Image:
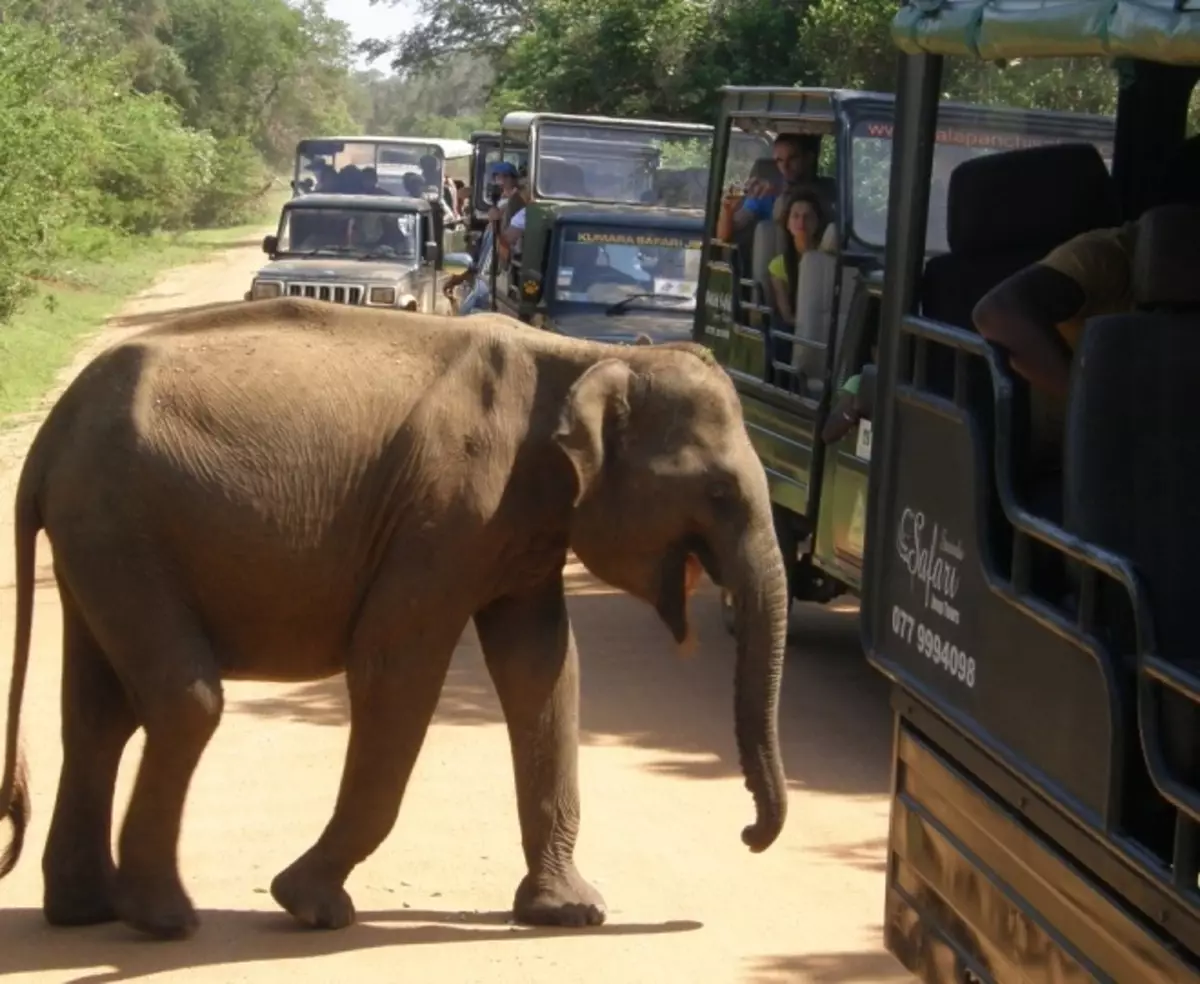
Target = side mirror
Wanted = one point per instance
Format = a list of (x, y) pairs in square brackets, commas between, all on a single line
[(866, 390), (270, 245), (430, 252)]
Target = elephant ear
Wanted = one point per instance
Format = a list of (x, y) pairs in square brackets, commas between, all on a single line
[(595, 413)]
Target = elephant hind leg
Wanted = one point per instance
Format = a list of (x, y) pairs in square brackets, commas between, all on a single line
[(97, 724), (393, 696), (171, 678), (530, 653)]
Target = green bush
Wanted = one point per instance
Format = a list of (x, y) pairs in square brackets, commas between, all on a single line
[(236, 182), (151, 170)]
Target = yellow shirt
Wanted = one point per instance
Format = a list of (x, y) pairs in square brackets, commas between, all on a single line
[(1100, 262)]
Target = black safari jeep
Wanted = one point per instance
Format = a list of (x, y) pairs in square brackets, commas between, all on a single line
[(612, 227), (789, 374), (1046, 779)]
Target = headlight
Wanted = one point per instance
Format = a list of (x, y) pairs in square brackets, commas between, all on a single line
[(383, 295), (263, 289)]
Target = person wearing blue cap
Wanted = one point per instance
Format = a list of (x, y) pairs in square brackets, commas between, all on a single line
[(504, 173)]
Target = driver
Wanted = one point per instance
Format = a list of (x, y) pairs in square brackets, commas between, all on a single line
[(371, 231)]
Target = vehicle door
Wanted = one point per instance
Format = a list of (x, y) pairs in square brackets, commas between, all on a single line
[(838, 547)]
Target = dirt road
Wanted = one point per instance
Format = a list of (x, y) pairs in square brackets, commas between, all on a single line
[(663, 806)]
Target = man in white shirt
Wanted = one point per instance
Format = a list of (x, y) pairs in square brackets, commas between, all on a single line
[(510, 238)]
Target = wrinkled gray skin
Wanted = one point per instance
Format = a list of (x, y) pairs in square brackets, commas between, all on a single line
[(282, 490)]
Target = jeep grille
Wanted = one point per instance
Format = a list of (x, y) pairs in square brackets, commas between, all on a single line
[(337, 293)]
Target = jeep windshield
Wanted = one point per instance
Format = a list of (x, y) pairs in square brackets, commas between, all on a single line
[(871, 165), (645, 268), (351, 233), (343, 167), (623, 165)]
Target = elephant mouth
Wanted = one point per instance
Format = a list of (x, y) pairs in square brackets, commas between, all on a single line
[(679, 576)]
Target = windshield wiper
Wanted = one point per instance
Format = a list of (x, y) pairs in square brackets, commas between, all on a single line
[(321, 249), (383, 253), (624, 302)]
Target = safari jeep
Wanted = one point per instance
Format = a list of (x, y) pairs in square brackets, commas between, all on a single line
[(613, 226), (370, 250), (408, 167), (1041, 635), (788, 375)]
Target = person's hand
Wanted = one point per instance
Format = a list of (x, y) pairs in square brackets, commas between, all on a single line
[(732, 200), (494, 214)]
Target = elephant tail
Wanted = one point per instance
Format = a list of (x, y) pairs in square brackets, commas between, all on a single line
[(14, 788)]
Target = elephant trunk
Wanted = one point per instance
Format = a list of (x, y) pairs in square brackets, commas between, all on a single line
[(758, 584)]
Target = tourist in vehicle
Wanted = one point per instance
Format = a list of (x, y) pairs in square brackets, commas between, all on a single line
[(1037, 314), (847, 409), (504, 174), (803, 220), (370, 182), (741, 210), (511, 235), (796, 155)]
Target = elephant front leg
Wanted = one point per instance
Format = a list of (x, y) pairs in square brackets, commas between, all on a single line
[(530, 653), (392, 699)]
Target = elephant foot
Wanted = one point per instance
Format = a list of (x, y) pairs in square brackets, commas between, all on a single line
[(313, 901), (558, 900), (79, 904), (159, 908)]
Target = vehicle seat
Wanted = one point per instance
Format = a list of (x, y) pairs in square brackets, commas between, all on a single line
[(768, 243), (1007, 210), (1132, 470), (815, 282)]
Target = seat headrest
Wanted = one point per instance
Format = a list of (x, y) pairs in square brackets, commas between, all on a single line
[(1035, 197), (1166, 257)]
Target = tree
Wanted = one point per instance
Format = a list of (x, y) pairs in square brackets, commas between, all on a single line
[(613, 57), (481, 28)]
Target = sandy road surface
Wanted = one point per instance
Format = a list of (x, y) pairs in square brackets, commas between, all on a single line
[(663, 806)]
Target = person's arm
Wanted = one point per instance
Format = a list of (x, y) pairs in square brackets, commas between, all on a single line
[(844, 413), (1021, 315), (729, 205), (1084, 276)]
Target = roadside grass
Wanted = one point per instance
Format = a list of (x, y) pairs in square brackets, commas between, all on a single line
[(78, 293)]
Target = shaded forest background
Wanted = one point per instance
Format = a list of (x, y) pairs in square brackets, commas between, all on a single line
[(131, 118)]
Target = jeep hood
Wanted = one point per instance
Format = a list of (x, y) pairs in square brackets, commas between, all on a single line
[(659, 326)]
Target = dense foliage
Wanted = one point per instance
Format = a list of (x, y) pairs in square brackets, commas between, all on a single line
[(129, 117), (667, 58)]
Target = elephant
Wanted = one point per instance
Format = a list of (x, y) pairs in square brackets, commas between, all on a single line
[(289, 489)]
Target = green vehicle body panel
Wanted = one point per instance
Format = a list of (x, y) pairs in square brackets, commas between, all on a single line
[(522, 294)]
